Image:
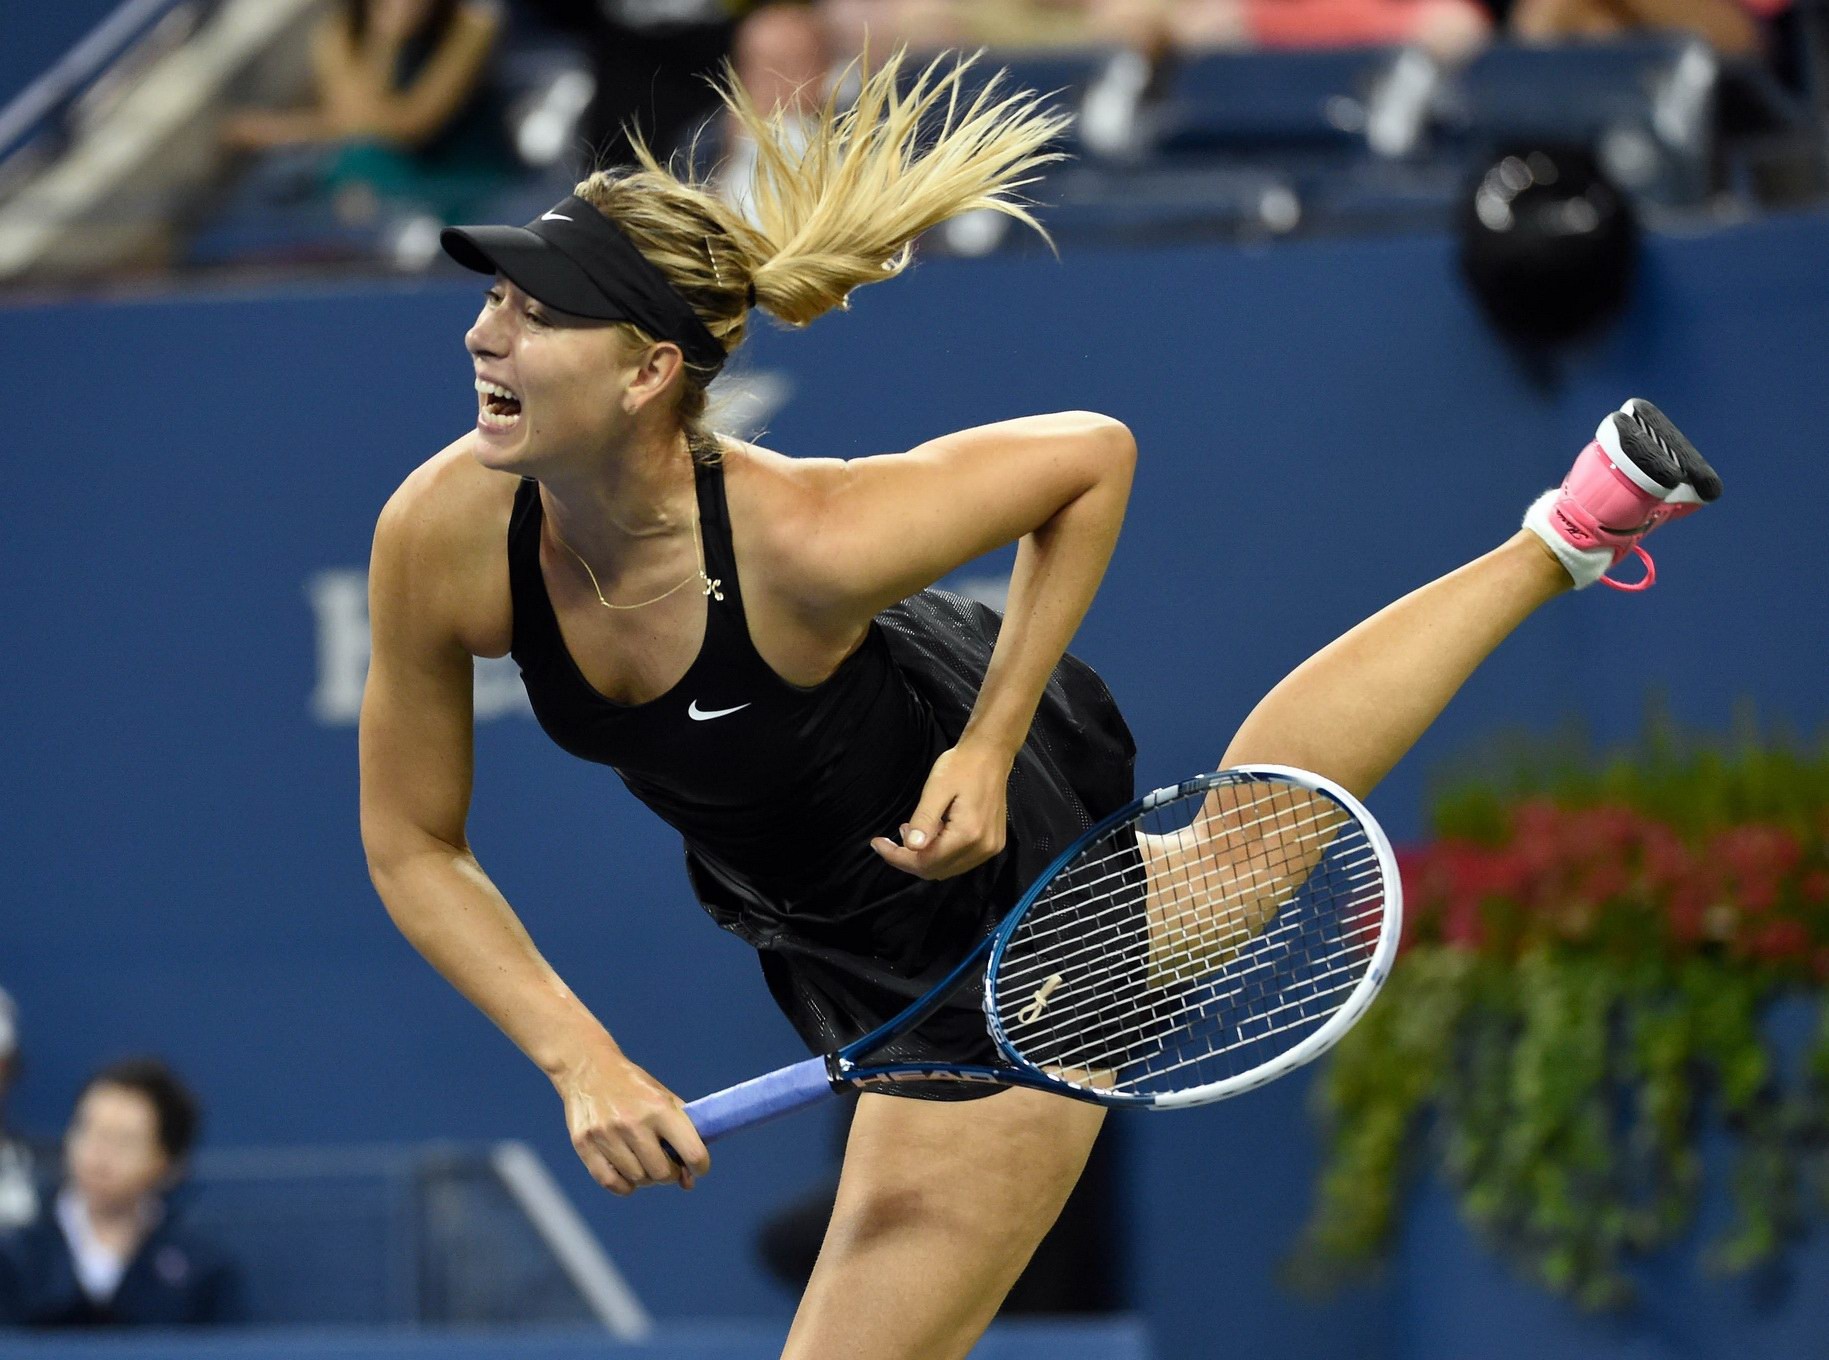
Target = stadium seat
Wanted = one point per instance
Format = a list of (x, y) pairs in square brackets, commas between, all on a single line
[(1574, 91), (1231, 101)]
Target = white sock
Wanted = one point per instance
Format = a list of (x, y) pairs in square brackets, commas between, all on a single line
[(1585, 566)]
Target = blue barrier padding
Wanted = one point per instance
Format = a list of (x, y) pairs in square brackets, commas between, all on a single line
[(1113, 1339)]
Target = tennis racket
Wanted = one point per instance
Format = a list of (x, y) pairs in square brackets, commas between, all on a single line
[(1197, 943)]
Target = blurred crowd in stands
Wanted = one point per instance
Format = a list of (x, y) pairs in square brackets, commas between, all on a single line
[(92, 1233), (403, 103), (371, 122)]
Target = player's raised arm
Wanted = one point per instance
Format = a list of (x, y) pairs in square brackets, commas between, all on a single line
[(416, 780), (886, 527)]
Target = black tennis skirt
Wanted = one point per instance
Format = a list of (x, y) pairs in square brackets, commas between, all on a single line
[(1076, 766)]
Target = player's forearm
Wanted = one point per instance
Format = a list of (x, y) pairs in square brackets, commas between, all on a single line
[(396, 119), (1057, 573), (263, 130), (446, 906)]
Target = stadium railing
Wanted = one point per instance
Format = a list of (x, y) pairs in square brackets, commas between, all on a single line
[(438, 1235)]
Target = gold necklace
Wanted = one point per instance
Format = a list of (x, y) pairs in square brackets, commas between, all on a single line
[(713, 588)]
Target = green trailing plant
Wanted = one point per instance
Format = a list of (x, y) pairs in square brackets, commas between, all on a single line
[(1590, 949)]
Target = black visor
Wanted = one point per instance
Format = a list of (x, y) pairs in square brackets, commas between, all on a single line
[(574, 258)]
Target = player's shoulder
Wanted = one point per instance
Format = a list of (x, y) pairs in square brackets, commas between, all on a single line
[(448, 504), (778, 489), (784, 515), (440, 551)]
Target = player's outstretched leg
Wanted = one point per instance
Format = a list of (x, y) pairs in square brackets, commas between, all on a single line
[(1353, 709), (940, 1206)]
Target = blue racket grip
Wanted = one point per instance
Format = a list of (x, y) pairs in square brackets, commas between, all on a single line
[(760, 1099)]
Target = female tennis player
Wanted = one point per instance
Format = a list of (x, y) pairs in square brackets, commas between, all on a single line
[(866, 773)]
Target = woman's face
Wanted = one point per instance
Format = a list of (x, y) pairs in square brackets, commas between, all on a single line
[(112, 1150), (568, 379)]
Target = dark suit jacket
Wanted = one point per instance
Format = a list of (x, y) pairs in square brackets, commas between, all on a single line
[(175, 1280)]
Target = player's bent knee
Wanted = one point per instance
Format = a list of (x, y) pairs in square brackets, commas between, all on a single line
[(892, 1213), (886, 1213), (975, 1225)]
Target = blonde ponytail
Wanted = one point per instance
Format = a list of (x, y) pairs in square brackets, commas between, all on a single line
[(844, 210), (835, 206)]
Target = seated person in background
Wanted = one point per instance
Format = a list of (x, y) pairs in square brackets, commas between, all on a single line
[(783, 58), (18, 1159), (1450, 29), (402, 108), (1006, 25), (1731, 27), (109, 1250), (652, 61)]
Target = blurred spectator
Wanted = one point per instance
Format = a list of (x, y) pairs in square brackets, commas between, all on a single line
[(1010, 25), (18, 1160), (1449, 28), (110, 1250), (1731, 27), (653, 61), (403, 113), (783, 58)]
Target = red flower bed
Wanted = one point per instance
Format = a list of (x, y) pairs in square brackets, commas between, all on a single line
[(1610, 874)]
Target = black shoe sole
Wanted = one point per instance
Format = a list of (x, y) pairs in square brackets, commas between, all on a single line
[(1648, 437)]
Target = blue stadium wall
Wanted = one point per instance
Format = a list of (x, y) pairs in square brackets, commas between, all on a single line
[(1323, 426)]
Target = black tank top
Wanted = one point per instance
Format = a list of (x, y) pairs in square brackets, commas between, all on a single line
[(760, 776), (777, 789)]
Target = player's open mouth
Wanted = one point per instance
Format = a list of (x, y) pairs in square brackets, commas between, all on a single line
[(500, 408)]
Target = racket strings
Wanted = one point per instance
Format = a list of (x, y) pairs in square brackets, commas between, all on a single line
[(1070, 922), (1116, 1048), (1261, 960), (1265, 1025), (1272, 935), (1246, 988), (1114, 856), (1194, 942), (1185, 1034), (1112, 904), (1235, 1019)]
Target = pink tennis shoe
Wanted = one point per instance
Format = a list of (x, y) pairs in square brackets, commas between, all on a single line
[(1638, 473)]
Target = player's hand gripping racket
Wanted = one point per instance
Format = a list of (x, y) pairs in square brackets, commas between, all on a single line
[(1198, 943)]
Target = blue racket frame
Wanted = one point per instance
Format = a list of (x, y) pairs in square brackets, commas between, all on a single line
[(801, 1084)]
